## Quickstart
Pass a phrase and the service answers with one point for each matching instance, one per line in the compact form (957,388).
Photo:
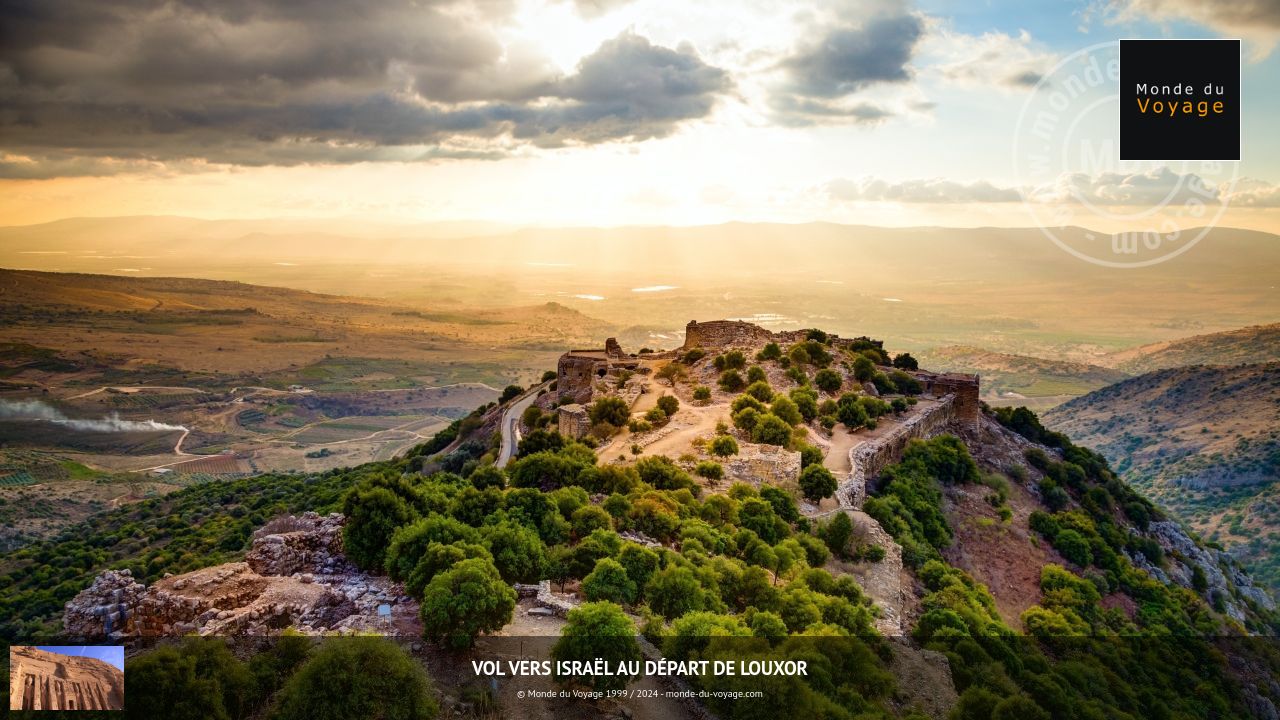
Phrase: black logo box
(1188,64)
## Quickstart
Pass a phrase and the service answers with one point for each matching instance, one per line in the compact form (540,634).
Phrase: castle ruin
(578,370)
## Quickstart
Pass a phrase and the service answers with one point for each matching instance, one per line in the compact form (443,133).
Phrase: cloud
(1252,193)
(1255,20)
(849,59)
(286,83)
(821,76)
(934,190)
(1159,186)
(992,59)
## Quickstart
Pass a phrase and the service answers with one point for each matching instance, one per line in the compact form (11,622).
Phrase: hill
(1009,290)
(1020,379)
(1201,440)
(1254,344)
(926,556)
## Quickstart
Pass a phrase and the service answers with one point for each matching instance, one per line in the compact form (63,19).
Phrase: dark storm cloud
(844,61)
(86,84)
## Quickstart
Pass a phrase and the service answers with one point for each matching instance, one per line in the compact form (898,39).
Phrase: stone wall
(294,576)
(572,421)
(869,458)
(963,386)
(716,334)
(760,465)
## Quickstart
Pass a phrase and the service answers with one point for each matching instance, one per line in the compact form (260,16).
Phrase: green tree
(731,381)
(817,482)
(410,542)
(760,390)
(675,591)
(597,631)
(609,581)
(785,408)
(661,472)
(771,430)
(439,557)
(724,446)
(669,404)
(1073,547)
(836,534)
(487,476)
(904,361)
(709,470)
(610,409)
(828,381)
(589,518)
(196,680)
(461,603)
(863,368)
(510,392)
(373,515)
(518,553)
(340,681)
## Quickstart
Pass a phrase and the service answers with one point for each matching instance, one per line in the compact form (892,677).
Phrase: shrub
(770,351)
(731,381)
(702,393)
(1074,547)
(771,430)
(461,603)
(655,416)
(373,515)
(609,581)
(724,446)
(662,473)
(785,408)
(518,553)
(709,470)
(905,362)
(437,558)
(817,482)
(327,688)
(755,374)
(669,404)
(675,591)
(597,631)
(760,391)
(836,534)
(199,679)
(611,410)
(828,381)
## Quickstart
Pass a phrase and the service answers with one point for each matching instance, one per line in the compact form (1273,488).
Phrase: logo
(1089,192)
(1179,99)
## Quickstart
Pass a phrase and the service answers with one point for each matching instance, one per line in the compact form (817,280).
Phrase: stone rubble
(294,575)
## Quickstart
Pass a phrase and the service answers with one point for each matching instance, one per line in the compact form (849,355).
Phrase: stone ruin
(42,680)
(718,335)
(578,371)
(294,575)
(572,421)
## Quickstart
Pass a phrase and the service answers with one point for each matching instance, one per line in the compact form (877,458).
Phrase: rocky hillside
(1202,441)
(1250,345)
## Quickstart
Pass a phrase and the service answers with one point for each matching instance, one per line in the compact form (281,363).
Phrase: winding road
(511,420)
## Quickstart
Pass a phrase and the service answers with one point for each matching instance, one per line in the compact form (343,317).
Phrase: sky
(603,112)
(110,654)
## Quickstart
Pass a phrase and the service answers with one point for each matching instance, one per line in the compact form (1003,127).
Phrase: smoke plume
(36,410)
